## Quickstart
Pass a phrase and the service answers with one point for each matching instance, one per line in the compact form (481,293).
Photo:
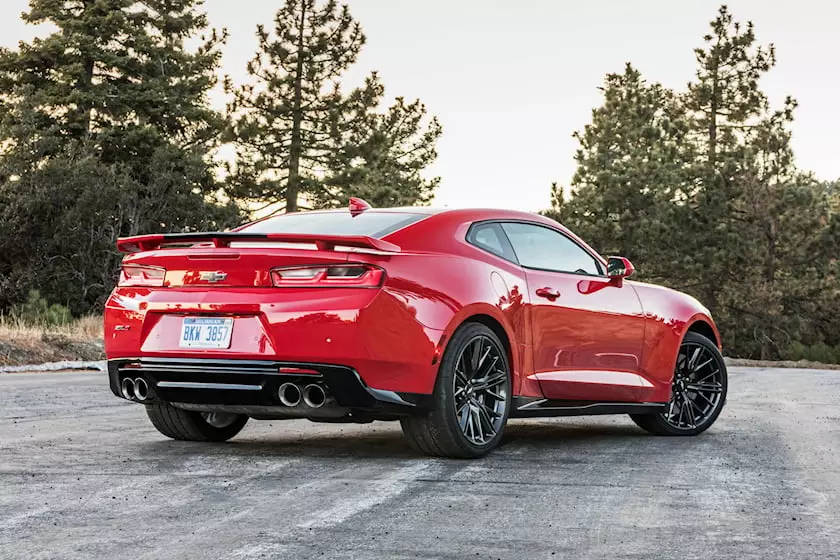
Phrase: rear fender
(519,353)
(442,291)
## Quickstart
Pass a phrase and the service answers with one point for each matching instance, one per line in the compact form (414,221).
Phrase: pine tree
(299,138)
(383,158)
(106,131)
(725,102)
(701,188)
(631,167)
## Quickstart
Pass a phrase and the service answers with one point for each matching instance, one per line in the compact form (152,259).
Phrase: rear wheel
(471,400)
(188,425)
(698,391)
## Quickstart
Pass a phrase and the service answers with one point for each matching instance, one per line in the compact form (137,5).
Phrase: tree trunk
(296,148)
(713,122)
(85,83)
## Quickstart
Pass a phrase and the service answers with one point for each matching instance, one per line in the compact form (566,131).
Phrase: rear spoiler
(140,243)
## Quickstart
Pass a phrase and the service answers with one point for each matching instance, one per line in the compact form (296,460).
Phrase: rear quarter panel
(444,281)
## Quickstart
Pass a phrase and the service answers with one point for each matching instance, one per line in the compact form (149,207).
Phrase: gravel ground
(83,474)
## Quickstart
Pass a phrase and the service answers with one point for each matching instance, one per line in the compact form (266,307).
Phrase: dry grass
(22,343)
(85,328)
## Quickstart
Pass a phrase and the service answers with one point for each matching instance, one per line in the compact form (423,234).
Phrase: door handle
(548,293)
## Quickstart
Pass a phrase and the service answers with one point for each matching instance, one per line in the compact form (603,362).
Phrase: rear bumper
(255,383)
(372,332)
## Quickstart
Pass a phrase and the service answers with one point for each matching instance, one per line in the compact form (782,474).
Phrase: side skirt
(529,407)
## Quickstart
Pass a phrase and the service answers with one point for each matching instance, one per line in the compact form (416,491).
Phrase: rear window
(371,224)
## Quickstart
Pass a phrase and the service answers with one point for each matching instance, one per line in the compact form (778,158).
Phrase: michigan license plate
(206,332)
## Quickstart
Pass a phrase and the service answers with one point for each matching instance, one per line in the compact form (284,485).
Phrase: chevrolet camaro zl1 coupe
(450,321)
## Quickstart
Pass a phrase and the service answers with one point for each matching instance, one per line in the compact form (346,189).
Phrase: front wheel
(471,401)
(698,391)
(188,425)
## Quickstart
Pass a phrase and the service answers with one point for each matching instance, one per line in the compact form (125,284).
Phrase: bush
(818,352)
(37,311)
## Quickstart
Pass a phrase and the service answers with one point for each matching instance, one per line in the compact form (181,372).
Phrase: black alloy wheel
(188,425)
(472,398)
(480,390)
(698,391)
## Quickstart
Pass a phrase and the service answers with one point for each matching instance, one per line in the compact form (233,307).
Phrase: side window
(547,249)
(490,238)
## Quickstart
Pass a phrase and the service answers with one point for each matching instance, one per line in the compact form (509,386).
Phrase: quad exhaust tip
(141,389)
(314,396)
(289,394)
(127,388)
(135,389)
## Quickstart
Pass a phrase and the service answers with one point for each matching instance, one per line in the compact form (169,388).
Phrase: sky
(511,80)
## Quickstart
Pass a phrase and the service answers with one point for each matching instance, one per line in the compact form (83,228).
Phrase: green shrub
(818,352)
(796,351)
(37,311)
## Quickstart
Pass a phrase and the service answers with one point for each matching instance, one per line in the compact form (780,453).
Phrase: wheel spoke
(689,413)
(496,396)
(705,387)
(704,364)
(694,407)
(717,371)
(460,370)
(482,359)
(679,418)
(489,411)
(693,359)
(468,412)
(480,390)
(685,411)
(491,380)
(462,417)
(487,367)
(482,414)
(475,355)
(476,419)
(707,399)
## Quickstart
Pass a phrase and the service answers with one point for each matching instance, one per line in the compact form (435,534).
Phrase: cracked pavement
(83,474)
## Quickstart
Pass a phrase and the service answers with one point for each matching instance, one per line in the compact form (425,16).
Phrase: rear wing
(140,243)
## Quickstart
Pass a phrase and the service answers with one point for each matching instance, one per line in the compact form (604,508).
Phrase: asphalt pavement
(84,475)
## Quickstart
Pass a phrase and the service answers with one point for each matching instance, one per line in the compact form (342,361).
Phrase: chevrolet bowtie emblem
(213,276)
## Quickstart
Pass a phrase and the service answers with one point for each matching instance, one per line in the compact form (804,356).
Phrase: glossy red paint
(569,336)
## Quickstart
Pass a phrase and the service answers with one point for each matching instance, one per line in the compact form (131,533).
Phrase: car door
(587,330)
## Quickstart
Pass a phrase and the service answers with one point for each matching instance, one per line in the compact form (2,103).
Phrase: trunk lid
(232,259)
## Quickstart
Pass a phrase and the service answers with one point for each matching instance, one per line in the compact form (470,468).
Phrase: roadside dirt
(48,348)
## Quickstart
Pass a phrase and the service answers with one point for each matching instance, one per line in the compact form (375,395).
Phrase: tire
(187,425)
(439,431)
(694,390)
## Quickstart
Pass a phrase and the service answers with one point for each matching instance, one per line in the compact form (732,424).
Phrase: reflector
(354,275)
(141,275)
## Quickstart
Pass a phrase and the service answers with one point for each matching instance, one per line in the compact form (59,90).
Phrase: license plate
(206,332)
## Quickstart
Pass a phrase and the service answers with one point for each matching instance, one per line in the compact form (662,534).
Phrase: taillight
(141,275)
(351,276)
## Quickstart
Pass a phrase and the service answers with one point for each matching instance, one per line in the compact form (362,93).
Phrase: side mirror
(619,268)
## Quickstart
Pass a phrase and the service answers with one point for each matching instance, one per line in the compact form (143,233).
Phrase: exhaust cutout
(141,389)
(127,388)
(314,396)
(289,394)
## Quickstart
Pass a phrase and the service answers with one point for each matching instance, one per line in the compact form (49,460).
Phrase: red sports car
(450,321)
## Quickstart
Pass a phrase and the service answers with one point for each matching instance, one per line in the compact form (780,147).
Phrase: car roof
(436,231)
